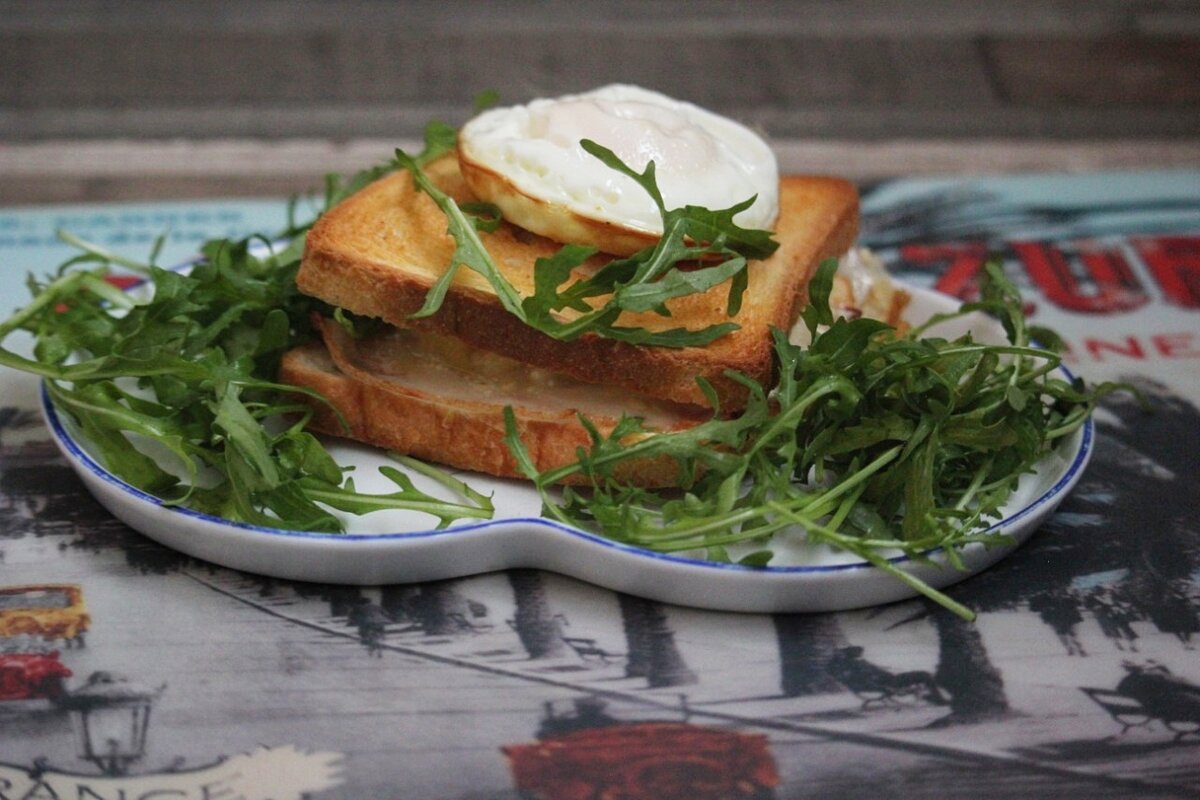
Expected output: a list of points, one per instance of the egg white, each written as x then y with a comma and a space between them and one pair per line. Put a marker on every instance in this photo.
528, 161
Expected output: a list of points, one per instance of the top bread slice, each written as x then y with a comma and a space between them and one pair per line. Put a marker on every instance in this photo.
378, 252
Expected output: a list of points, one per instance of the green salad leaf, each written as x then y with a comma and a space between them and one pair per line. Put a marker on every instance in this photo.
712, 247
874, 442
188, 367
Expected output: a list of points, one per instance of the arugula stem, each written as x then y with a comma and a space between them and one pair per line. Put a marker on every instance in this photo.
690, 530
106, 256
363, 503
1070, 423
483, 501
468, 240
787, 420
854, 482
844, 508
884, 564
980, 474
50, 295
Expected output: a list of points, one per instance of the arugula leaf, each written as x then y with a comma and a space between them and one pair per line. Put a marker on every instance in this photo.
700, 224
645, 281
191, 371
439, 139
486, 99
817, 312
469, 250
872, 442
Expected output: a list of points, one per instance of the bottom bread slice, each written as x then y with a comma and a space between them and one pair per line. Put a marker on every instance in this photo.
433, 398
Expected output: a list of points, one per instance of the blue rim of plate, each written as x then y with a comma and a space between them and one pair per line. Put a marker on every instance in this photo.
68, 442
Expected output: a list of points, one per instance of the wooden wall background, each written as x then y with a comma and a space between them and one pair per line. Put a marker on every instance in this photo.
197, 97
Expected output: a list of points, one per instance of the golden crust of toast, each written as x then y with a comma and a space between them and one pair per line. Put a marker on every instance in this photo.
400, 393
378, 252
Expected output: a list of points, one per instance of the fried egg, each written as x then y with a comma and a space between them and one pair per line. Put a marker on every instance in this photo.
528, 161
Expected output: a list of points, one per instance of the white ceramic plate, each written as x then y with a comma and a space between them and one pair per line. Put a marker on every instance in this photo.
399, 547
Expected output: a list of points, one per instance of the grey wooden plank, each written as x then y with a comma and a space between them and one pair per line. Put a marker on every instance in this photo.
1172, 20
834, 122
1142, 71
111, 69
895, 18
82, 171
861, 69
178, 68
108, 68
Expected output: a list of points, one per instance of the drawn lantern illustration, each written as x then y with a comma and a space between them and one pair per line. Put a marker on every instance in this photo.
110, 716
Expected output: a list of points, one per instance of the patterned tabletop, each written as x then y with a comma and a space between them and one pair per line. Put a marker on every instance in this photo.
1078, 679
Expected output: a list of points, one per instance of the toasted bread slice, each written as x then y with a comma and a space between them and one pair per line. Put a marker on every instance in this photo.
434, 398
378, 252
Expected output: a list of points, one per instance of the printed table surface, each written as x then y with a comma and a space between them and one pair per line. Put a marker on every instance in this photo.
1078, 679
